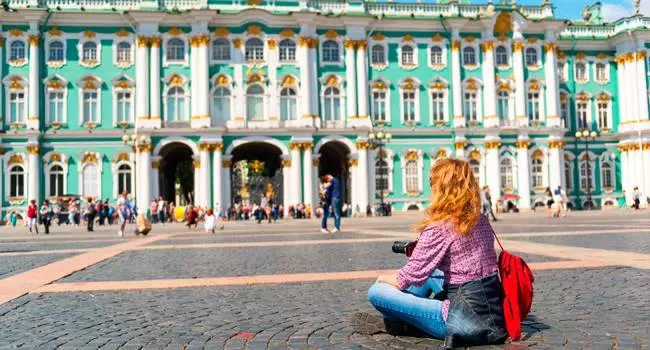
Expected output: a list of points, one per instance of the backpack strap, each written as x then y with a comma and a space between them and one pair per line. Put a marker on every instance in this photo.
498, 241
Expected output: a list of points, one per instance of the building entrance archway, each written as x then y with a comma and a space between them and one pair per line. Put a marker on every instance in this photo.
334, 161
176, 182
256, 173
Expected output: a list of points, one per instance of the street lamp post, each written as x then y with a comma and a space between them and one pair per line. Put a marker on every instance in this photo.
587, 136
379, 139
135, 141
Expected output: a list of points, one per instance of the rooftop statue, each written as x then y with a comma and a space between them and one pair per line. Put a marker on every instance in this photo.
593, 14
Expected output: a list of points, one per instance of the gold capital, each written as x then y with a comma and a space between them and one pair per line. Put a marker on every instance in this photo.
522, 144
517, 46
487, 46
363, 145
33, 149
286, 164
492, 144
555, 144
34, 40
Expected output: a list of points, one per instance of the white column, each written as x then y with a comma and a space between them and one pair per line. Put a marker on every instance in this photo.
307, 175
622, 106
204, 175
217, 179
362, 175
154, 86
644, 169
492, 164
198, 186
523, 173
638, 170
141, 88
362, 81
631, 86
552, 86
286, 185
313, 82
354, 183
555, 163
314, 178
456, 83
238, 97
225, 186
305, 87
521, 119
143, 196
34, 176
372, 175
490, 118
351, 80
642, 86
34, 83
155, 176
296, 188
272, 60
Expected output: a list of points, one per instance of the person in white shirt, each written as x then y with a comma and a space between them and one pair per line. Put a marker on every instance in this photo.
210, 222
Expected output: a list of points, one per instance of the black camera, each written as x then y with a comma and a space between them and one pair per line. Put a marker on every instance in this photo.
404, 247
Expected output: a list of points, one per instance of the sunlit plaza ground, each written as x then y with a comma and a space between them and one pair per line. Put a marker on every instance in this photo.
285, 285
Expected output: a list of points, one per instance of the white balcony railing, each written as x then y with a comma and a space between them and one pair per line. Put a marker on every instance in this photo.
406, 9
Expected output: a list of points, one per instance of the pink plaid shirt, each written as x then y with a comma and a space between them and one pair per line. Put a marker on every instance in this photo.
461, 258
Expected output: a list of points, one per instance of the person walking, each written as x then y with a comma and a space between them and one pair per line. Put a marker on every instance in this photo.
486, 203
45, 214
549, 201
210, 222
91, 212
32, 213
153, 208
636, 197
123, 206
559, 202
100, 212
332, 199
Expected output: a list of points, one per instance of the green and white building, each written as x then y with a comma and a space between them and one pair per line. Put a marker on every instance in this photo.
232, 99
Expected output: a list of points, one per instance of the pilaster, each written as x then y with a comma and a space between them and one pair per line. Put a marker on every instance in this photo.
237, 116
226, 164
521, 119
490, 118
198, 186
305, 87
272, 60
199, 85
33, 119
219, 202
155, 176
493, 178
205, 199
362, 174
354, 175
555, 162
350, 80
34, 175
362, 81
143, 196
523, 171
642, 85
295, 176
141, 89
307, 175
456, 84
155, 117
552, 86
621, 75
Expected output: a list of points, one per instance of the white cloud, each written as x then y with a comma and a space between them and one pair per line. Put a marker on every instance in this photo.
612, 12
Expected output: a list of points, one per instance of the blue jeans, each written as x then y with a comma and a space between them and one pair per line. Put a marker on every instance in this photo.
412, 306
336, 206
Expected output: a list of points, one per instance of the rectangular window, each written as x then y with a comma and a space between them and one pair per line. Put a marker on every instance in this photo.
124, 104
503, 105
533, 106
379, 105
564, 111
17, 106
470, 106
581, 114
408, 105
55, 107
602, 115
90, 107
437, 106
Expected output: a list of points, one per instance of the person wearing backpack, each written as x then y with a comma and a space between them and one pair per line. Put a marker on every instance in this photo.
449, 288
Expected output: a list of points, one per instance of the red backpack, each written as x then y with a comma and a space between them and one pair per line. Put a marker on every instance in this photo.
517, 281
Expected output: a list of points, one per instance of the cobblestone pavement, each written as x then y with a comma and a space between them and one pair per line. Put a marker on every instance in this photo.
605, 307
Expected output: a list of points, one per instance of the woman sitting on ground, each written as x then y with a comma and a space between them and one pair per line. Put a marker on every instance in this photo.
454, 257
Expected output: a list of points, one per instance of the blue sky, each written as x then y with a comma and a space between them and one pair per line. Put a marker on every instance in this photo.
572, 9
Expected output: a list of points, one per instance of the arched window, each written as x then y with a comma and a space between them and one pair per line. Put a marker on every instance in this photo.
56, 181
221, 50
331, 52
507, 179
411, 176
537, 172
175, 50
586, 176
471, 106
503, 106
90, 106
221, 104
124, 52
581, 72
476, 169
254, 50
408, 105
176, 104
408, 55
377, 55
436, 56
287, 50
533, 105
16, 181
124, 178
601, 72
255, 103
531, 57
90, 181
568, 176
17, 51
332, 103
381, 175
89, 51
607, 175
124, 101
56, 53
501, 55
469, 56
288, 104
17, 106
379, 105
55, 103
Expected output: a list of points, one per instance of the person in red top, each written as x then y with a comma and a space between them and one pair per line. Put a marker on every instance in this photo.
32, 213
